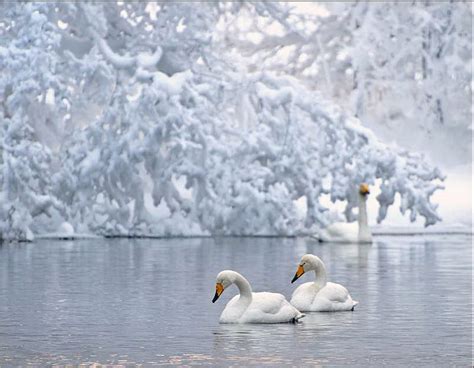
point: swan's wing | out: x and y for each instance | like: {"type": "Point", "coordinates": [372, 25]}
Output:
{"type": "Point", "coordinates": [270, 308]}
{"type": "Point", "coordinates": [340, 228]}
{"type": "Point", "coordinates": [333, 297]}
{"type": "Point", "coordinates": [270, 303]}
{"type": "Point", "coordinates": [340, 231]}
{"type": "Point", "coordinates": [334, 292]}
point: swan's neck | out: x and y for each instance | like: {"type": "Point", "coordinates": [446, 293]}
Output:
{"type": "Point", "coordinates": [364, 231]}
{"type": "Point", "coordinates": [244, 288]}
{"type": "Point", "coordinates": [320, 272]}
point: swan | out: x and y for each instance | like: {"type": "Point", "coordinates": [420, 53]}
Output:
{"type": "Point", "coordinates": [351, 232]}
{"type": "Point", "coordinates": [249, 307]}
{"type": "Point", "coordinates": [320, 295]}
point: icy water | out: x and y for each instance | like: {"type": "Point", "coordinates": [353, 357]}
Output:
{"type": "Point", "coordinates": [149, 302]}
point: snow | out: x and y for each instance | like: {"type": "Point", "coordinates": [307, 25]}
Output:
{"type": "Point", "coordinates": [121, 129]}
{"type": "Point", "coordinates": [460, 229]}
{"type": "Point", "coordinates": [147, 60]}
{"type": "Point", "coordinates": [120, 61]}
{"type": "Point", "coordinates": [403, 69]}
{"type": "Point", "coordinates": [66, 228]}
{"type": "Point", "coordinates": [65, 236]}
{"type": "Point", "coordinates": [170, 85]}
{"type": "Point", "coordinates": [455, 205]}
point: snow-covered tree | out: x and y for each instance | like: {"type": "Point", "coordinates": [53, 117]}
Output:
{"type": "Point", "coordinates": [132, 119]}
{"type": "Point", "coordinates": [399, 67]}
{"type": "Point", "coordinates": [28, 121]}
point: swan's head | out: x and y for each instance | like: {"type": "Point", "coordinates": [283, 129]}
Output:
{"type": "Point", "coordinates": [223, 280]}
{"type": "Point", "coordinates": [364, 189]}
{"type": "Point", "coordinates": [309, 262]}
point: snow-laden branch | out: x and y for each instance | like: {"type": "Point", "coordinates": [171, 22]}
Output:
{"type": "Point", "coordinates": [141, 60]}
{"type": "Point", "coordinates": [181, 143]}
{"type": "Point", "coordinates": [217, 172]}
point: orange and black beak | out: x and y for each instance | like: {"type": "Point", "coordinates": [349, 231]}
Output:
{"type": "Point", "coordinates": [364, 189]}
{"type": "Point", "coordinates": [298, 274]}
{"type": "Point", "coordinates": [219, 290]}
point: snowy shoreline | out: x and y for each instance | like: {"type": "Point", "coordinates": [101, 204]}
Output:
{"type": "Point", "coordinates": [376, 231]}
{"type": "Point", "coordinates": [407, 230]}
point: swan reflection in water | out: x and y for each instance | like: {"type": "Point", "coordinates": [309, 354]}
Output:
{"type": "Point", "coordinates": [247, 344]}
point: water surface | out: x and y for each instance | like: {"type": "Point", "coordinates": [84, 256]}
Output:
{"type": "Point", "coordinates": [121, 301]}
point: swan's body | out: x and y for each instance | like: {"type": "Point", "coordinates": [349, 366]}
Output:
{"type": "Point", "coordinates": [250, 307]}
{"type": "Point", "coordinates": [320, 295]}
{"type": "Point", "coordinates": [331, 298]}
{"type": "Point", "coordinates": [343, 232]}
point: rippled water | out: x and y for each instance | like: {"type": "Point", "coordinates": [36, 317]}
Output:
{"type": "Point", "coordinates": [121, 301]}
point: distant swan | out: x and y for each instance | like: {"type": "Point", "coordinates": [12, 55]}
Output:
{"type": "Point", "coordinates": [249, 307]}
{"type": "Point", "coordinates": [320, 295]}
{"type": "Point", "coordinates": [351, 232]}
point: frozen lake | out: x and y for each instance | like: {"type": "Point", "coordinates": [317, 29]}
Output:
{"type": "Point", "coordinates": [127, 301]}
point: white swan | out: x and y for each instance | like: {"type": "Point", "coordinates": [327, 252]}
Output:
{"type": "Point", "coordinates": [320, 295]}
{"type": "Point", "coordinates": [351, 232]}
{"type": "Point", "coordinates": [249, 307]}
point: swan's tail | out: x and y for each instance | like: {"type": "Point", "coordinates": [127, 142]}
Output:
{"type": "Point", "coordinates": [322, 236]}
{"type": "Point", "coordinates": [354, 304]}
{"type": "Point", "coordinates": [298, 317]}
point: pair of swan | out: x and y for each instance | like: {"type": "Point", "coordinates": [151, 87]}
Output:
{"type": "Point", "coordinates": [344, 232]}
{"type": "Point", "coordinates": [250, 307]}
